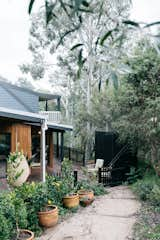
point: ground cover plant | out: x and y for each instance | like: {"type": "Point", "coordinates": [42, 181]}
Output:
{"type": "Point", "coordinates": [19, 207]}
{"type": "Point", "coordinates": [148, 222]}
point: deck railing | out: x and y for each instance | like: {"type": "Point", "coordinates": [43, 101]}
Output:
{"type": "Point", "coordinates": [52, 116]}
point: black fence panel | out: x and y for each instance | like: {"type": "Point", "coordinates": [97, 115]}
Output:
{"type": "Point", "coordinates": [108, 148]}
{"type": "Point", "coordinates": [76, 155]}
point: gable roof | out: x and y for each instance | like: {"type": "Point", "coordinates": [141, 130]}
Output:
{"type": "Point", "coordinates": [42, 96]}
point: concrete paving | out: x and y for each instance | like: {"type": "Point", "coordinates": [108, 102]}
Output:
{"type": "Point", "coordinates": [110, 217]}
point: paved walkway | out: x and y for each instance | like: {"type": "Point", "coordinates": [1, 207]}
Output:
{"type": "Point", "coordinates": [110, 217]}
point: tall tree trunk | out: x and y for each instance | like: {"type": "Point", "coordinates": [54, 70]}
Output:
{"type": "Point", "coordinates": [154, 154]}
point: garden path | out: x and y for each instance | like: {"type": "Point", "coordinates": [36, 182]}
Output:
{"type": "Point", "coordinates": [110, 217]}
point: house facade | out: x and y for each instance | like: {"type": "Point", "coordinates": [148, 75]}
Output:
{"type": "Point", "coordinates": [28, 121]}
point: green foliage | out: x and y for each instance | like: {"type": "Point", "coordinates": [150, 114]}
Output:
{"type": "Point", "coordinates": [90, 183]}
{"type": "Point", "coordinates": [147, 225]}
{"type": "Point", "coordinates": [98, 189]}
{"type": "Point", "coordinates": [13, 215]}
{"type": "Point", "coordinates": [67, 176]}
{"type": "Point", "coordinates": [134, 175]}
{"type": "Point", "coordinates": [5, 230]}
{"type": "Point", "coordinates": [28, 192]}
{"type": "Point", "coordinates": [19, 208]}
{"type": "Point", "coordinates": [148, 189]}
{"type": "Point", "coordinates": [135, 104]}
{"type": "Point", "coordinates": [154, 196]}
{"type": "Point", "coordinates": [7, 216]}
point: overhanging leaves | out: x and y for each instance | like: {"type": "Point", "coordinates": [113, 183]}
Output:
{"type": "Point", "coordinates": [103, 39]}
{"type": "Point", "coordinates": [85, 3]}
{"type": "Point", "coordinates": [132, 23]}
{"type": "Point", "coordinates": [152, 24]}
{"type": "Point", "coordinates": [30, 6]}
{"type": "Point", "coordinates": [49, 11]}
{"type": "Point", "coordinates": [76, 46]}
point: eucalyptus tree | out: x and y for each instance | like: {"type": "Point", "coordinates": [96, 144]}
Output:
{"type": "Point", "coordinates": [87, 57]}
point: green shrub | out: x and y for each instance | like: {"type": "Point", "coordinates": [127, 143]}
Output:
{"type": "Point", "coordinates": [7, 215]}
{"type": "Point", "coordinates": [143, 189]}
{"type": "Point", "coordinates": [97, 188]}
{"type": "Point", "coordinates": [5, 228]}
{"type": "Point", "coordinates": [148, 189]}
{"type": "Point", "coordinates": [154, 196]}
{"type": "Point", "coordinates": [133, 175]}
{"type": "Point", "coordinates": [29, 192]}
{"type": "Point", "coordinates": [13, 215]}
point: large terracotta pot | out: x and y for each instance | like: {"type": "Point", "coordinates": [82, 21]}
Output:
{"type": "Point", "coordinates": [71, 201]}
{"type": "Point", "coordinates": [48, 218]}
{"type": "Point", "coordinates": [26, 233]}
{"type": "Point", "coordinates": [86, 194]}
{"type": "Point", "coordinates": [18, 171]}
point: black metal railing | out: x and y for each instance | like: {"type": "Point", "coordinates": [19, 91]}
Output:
{"type": "Point", "coordinates": [74, 154]}
{"type": "Point", "coordinates": [105, 174]}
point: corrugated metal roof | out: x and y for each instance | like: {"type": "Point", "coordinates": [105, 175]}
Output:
{"type": "Point", "coordinates": [42, 96]}
{"type": "Point", "coordinates": [59, 126]}
{"type": "Point", "coordinates": [21, 115]}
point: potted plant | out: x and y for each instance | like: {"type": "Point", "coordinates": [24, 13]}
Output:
{"type": "Point", "coordinates": [84, 193]}
{"type": "Point", "coordinates": [17, 168]}
{"type": "Point", "coordinates": [48, 216]}
{"type": "Point", "coordinates": [86, 201]}
{"type": "Point", "coordinates": [46, 211]}
{"type": "Point", "coordinates": [70, 197]}
{"type": "Point", "coordinates": [71, 200]}
{"type": "Point", "coordinates": [24, 234]}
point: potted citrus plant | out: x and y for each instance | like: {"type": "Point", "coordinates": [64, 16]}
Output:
{"type": "Point", "coordinates": [47, 212]}
{"type": "Point", "coordinates": [70, 197]}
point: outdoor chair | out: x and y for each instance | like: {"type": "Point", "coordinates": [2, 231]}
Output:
{"type": "Point", "coordinates": [99, 164]}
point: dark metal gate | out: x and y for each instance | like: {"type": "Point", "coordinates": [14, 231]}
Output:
{"type": "Point", "coordinates": [118, 158]}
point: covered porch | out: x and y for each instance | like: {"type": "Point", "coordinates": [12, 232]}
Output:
{"type": "Point", "coordinates": [21, 129]}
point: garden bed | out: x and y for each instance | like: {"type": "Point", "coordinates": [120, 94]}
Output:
{"type": "Point", "coordinates": [148, 223]}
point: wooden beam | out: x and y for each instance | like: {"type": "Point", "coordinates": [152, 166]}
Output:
{"type": "Point", "coordinates": [62, 147]}
{"type": "Point", "coordinates": [51, 150]}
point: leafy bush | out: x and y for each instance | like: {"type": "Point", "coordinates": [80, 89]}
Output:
{"type": "Point", "coordinates": [133, 175]}
{"type": "Point", "coordinates": [154, 196]}
{"type": "Point", "coordinates": [5, 228]}
{"type": "Point", "coordinates": [147, 225]}
{"type": "Point", "coordinates": [13, 215]}
{"type": "Point", "coordinates": [97, 188]}
{"type": "Point", "coordinates": [29, 192]}
{"type": "Point", "coordinates": [148, 189]}
{"type": "Point", "coordinates": [7, 216]}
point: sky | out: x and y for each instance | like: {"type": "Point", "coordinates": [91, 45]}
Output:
{"type": "Point", "coordinates": [14, 31]}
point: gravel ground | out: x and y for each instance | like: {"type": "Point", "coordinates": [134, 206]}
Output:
{"type": "Point", "coordinates": [110, 217]}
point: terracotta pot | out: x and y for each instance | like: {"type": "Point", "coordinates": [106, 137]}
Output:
{"type": "Point", "coordinates": [18, 171]}
{"type": "Point", "coordinates": [71, 201]}
{"type": "Point", "coordinates": [86, 201]}
{"type": "Point", "coordinates": [27, 232]}
{"type": "Point", "coordinates": [48, 218]}
{"type": "Point", "coordinates": [85, 194]}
